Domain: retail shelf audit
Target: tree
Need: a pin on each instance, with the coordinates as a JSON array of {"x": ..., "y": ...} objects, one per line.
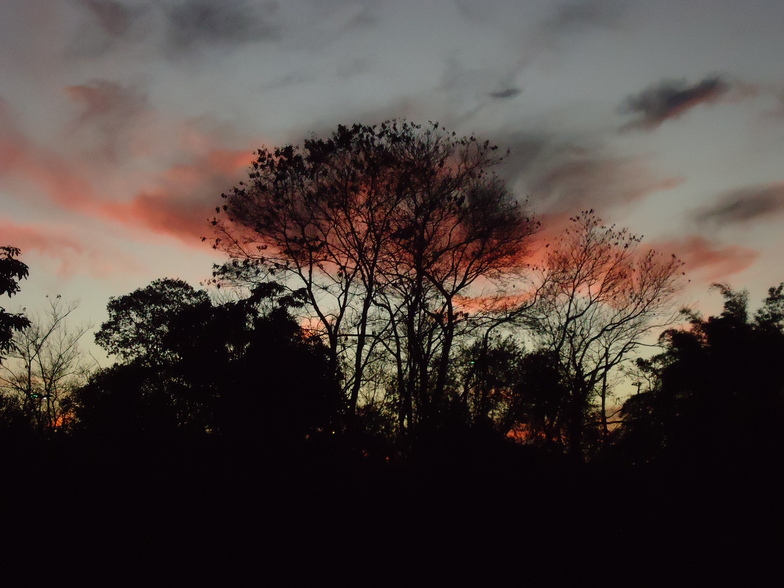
[
  {"x": 142, "y": 324},
  {"x": 11, "y": 271},
  {"x": 386, "y": 231},
  {"x": 716, "y": 392},
  {"x": 45, "y": 367},
  {"x": 600, "y": 296},
  {"x": 243, "y": 369},
  {"x": 170, "y": 349}
]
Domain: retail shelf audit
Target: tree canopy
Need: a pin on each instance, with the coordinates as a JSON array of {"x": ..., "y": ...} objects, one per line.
[
  {"x": 387, "y": 231},
  {"x": 716, "y": 392}
]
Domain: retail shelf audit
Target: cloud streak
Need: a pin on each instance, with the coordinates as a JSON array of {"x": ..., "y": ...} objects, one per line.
[
  {"x": 670, "y": 99},
  {"x": 562, "y": 177},
  {"x": 68, "y": 251},
  {"x": 707, "y": 259},
  {"x": 744, "y": 205},
  {"x": 587, "y": 14},
  {"x": 231, "y": 23}
]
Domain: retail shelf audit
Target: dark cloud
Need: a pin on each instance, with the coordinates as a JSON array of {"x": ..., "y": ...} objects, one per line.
[
  {"x": 508, "y": 93},
  {"x": 670, "y": 99},
  {"x": 228, "y": 23},
  {"x": 108, "y": 24},
  {"x": 576, "y": 16},
  {"x": 744, "y": 205},
  {"x": 113, "y": 17},
  {"x": 109, "y": 112},
  {"x": 102, "y": 99},
  {"x": 562, "y": 177}
]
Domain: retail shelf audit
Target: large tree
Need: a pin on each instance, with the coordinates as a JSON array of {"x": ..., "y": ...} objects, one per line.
[{"x": 387, "y": 232}]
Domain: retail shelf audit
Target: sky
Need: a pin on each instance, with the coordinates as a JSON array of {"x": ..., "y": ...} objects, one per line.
[{"x": 122, "y": 121}]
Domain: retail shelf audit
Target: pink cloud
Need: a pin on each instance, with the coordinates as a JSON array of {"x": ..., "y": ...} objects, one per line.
[
  {"x": 179, "y": 201},
  {"x": 185, "y": 199},
  {"x": 70, "y": 254},
  {"x": 708, "y": 260}
]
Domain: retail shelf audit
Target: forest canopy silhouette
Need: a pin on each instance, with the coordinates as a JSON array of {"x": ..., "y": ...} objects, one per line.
[{"x": 389, "y": 305}]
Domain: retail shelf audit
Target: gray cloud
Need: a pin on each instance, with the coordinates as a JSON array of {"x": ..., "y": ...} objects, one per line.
[
  {"x": 576, "y": 16},
  {"x": 562, "y": 177},
  {"x": 670, "y": 99},
  {"x": 229, "y": 23},
  {"x": 108, "y": 112},
  {"x": 108, "y": 23},
  {"x": 508, "y": 93},
  {"x": 744, "y": 205},
  {"x": 113, "y": 17}
]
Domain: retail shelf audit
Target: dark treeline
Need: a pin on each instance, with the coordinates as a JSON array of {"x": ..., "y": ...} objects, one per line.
[{"x": 383, "y": 384}]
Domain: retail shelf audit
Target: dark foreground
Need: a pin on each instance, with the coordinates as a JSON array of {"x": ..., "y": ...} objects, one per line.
[{"x": 477, "y": 515}]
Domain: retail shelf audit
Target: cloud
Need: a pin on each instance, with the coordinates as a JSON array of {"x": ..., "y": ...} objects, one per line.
[
  {"x": 67, "y": 250},
  {"x": 185, "y": 198},
  {"x": 21, "y": 159},
  {"x": 229, "y": 23},
  {"x": 508, "y": 93},
  {"x": 107, "y": 23},
  {"x": 113, "y": 17},
  {"x": 670, "y": 99},
  {"x": 177, "y": 200},
  {"x": 709, "y": 260},
  {"x": 562, "y": 177},
  {"x": 744, "y": 205},
  {"x": 576, "y": 16},
  {"x": 109, "y": 113}
]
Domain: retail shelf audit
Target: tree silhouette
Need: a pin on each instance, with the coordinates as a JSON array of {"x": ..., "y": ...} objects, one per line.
[
  {"x": 385, "y": 231},
  {"x": 716, "y": 393},
  {"x": 143, "y": 325},
  {"x": 11, "y": 271},
  {"x": 190, "y": 365},
  {"x": 600, "y": 295},
  {"x": 46, "y": 366}
]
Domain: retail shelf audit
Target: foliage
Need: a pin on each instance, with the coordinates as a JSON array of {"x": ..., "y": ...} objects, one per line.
[
  {"x": 190, "y": 365},
  {"x": 717, "y": 390},
  {"x": 11, "y": 272},
  {"x": 144, "y": 324}
]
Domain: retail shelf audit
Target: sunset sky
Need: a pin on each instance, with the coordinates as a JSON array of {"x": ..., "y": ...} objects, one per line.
[{"x": 122, "y": 121}]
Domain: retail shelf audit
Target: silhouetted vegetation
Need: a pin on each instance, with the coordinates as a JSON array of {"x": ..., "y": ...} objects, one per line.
[
  {"x": 373, "y": 381},
  {"x": 11, "y": 271}
]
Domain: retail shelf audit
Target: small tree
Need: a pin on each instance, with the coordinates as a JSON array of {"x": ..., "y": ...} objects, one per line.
[
  {"x": 600, "y": 296},
  {"x": 46, "y": 366}
]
